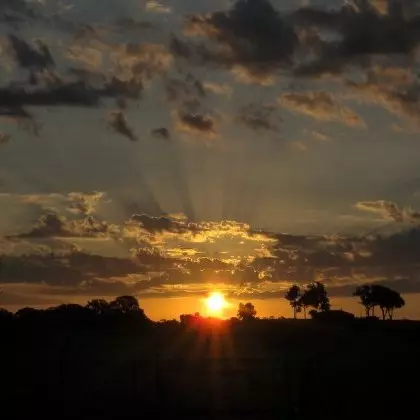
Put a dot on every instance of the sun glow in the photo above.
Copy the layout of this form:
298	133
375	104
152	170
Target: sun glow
215	304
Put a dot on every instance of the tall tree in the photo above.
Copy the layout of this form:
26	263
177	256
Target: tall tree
293	295
246	311
366	299
315	296
377	295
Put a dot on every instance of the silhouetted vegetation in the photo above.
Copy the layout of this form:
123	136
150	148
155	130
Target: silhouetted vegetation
108	360
314	295
376	295
246	311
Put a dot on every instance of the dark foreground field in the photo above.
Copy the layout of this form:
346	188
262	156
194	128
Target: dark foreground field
261	369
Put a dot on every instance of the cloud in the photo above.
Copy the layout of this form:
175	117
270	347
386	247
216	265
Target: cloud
260	117
390	210
90	58
34	58
140	60
117	121
321	106
217	88
184	90
154	6
403	101
165	266
195	124
52	225
84	203
251	35
387	209
161	133
61	94
377	34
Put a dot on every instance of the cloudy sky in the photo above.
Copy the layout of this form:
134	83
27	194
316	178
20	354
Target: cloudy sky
167	149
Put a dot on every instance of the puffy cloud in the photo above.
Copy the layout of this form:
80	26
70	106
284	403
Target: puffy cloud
403	101
377	34
195	124
84	203
252	35
117	121
321	106
141	60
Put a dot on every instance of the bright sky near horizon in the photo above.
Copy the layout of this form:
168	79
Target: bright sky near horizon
168	149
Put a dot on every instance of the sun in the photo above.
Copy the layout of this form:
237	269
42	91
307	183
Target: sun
215	303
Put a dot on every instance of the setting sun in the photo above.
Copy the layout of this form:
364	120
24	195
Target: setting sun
215	303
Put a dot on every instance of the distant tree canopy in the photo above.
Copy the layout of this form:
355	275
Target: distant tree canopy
376	295
314	296
246	311
123	308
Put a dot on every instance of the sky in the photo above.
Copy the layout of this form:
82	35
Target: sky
169	149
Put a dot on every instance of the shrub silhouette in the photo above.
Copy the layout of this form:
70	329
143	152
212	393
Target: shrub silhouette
246	311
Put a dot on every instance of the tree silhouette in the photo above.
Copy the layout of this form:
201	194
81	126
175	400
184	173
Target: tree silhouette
125	304
315	296
98	306
366	299
246	311
293	295
390	301
377	295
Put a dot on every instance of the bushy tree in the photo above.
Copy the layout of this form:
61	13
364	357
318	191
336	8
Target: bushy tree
294	295
376	295
315	296
125	304
246	311
98	306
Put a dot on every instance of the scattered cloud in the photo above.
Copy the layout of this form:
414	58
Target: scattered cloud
260	117
195	124
251	35
321	106
156	7
387	209
218	88
52	225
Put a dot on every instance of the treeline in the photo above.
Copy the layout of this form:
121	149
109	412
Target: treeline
122	309
312	298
